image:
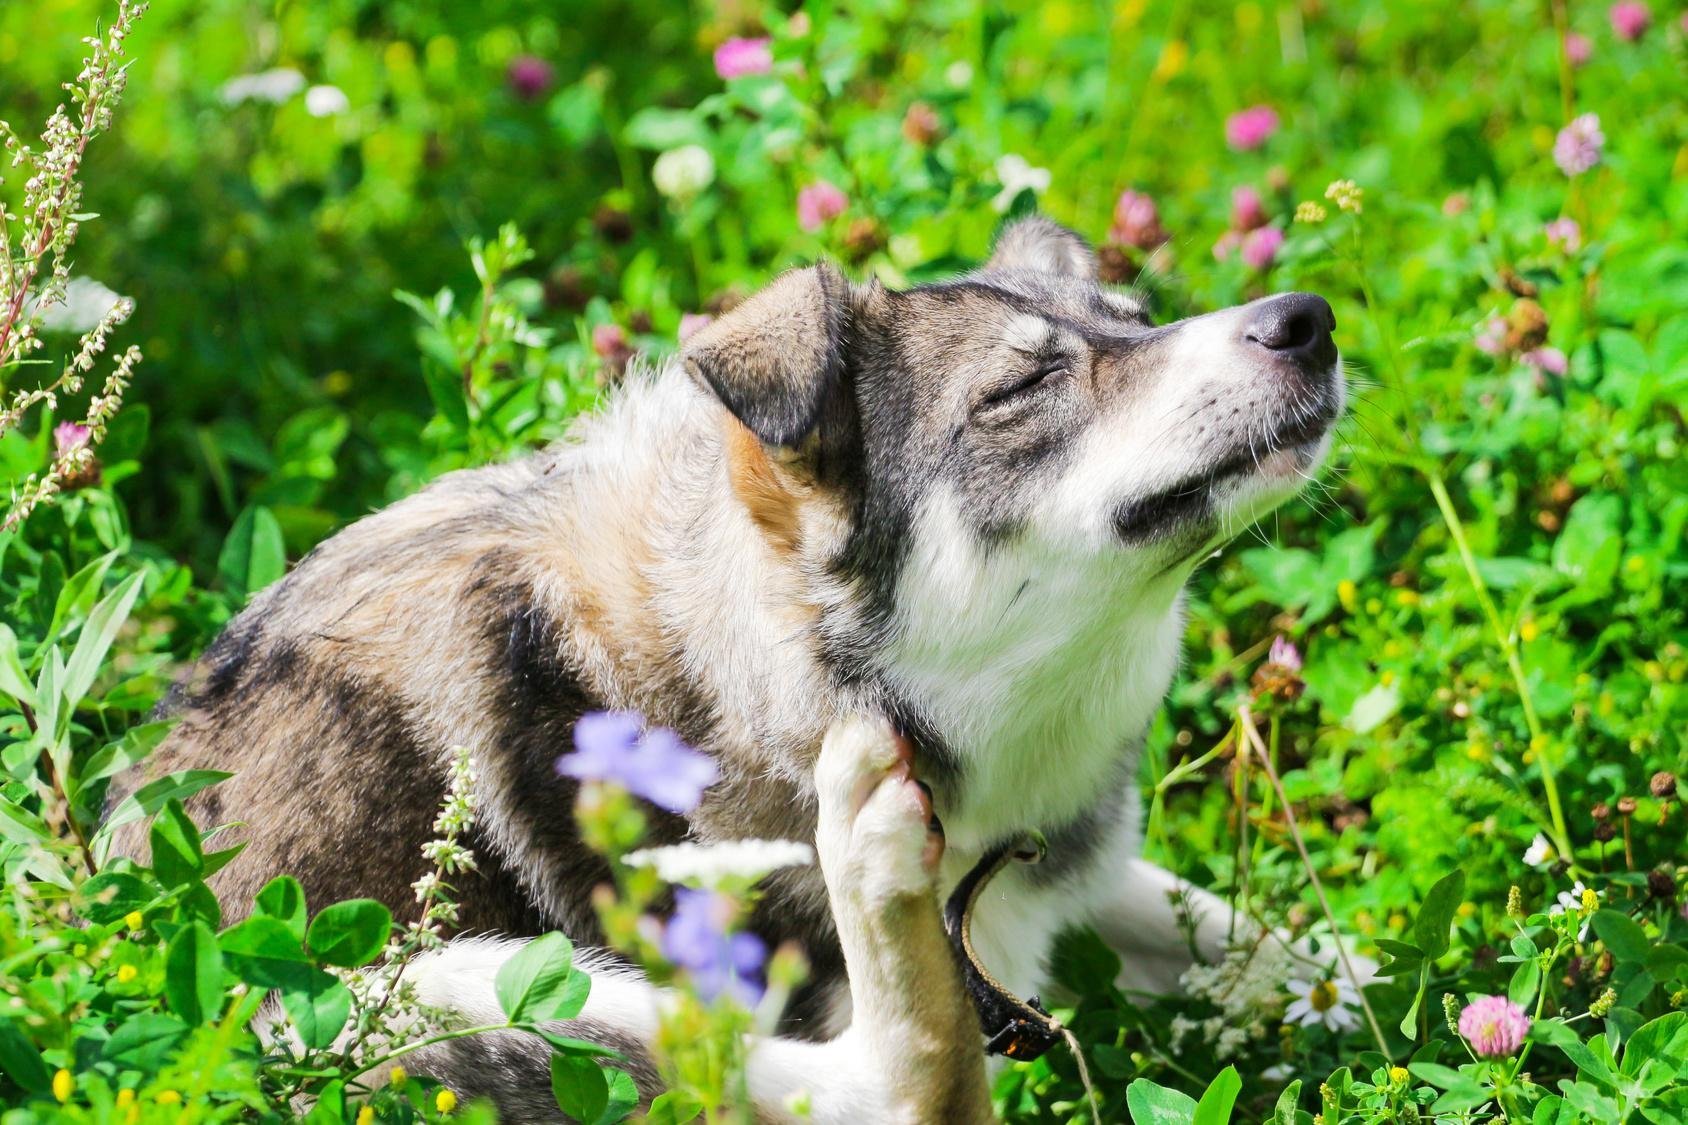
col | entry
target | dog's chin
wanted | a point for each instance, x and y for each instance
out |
(1207, 508)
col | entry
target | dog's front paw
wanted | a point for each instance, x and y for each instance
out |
(876, 836)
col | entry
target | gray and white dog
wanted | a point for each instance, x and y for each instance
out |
(965, 512)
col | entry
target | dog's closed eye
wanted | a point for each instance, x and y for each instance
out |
(1045, 373)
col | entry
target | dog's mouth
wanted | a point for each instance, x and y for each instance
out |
(1283, 452)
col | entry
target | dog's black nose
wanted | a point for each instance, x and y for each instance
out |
(1296, 326)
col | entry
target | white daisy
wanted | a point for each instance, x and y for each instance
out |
(273, 86)
(1330, 1002)
(1540, 853)
(706, 865)
(1017, 174)
(85, 304)
(326, 101)
(1572, 900)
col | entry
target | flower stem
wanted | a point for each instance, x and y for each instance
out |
(1246, 719)
(1514, 661)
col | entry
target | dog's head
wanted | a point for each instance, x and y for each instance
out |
(1032, 402)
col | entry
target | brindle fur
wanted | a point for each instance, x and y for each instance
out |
(723, 553)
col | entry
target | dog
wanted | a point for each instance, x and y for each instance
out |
(882, 555)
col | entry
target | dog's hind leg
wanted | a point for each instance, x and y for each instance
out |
(913, 1053)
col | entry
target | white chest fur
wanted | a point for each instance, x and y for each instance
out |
(1036, 669)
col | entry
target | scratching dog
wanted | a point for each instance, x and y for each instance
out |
(850, 538)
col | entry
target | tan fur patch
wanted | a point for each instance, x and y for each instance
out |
(757, 482)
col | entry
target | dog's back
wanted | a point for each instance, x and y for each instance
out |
(490, 611)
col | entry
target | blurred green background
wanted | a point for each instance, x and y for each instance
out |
(280, 171)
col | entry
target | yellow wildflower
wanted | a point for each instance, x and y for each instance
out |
(397, 1076)
(64, 1085)
(445, 1101)
(133, 920)
(126, 973)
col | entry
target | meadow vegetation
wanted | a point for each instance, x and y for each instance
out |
(1435, 712)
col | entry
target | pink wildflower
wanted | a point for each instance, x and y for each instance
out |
(737, 58)
(529, 77)
(1226, 246)
(1629, 19)
(1284, 654)
(1579, 144)
(1578, 48)
(608, 340)
(1250, 128)
(1261, 246)
(1494, 1026)
(1247, 210)
(1549, 361)
(819, 202)
(693, 323)
(1136, 221)
(1564, 234)
(1491, 336)
(68, 437)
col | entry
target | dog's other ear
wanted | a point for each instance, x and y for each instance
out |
(775, 359)
(1043, 245)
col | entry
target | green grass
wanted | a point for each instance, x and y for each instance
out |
(1487, 588)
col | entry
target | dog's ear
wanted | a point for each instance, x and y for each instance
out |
(777, 358)
(1043, 245)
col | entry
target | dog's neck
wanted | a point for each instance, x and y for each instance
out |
(1030, 675)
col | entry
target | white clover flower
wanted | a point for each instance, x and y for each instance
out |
(707, 865)
(680, 173)
(1017, 175)
(1540, 853)
(1330, 1002)
(272, 86)
(959, 74)
(85, 304)
(326, 101)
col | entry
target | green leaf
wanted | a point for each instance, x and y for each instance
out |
(676, 1107)
(1214, 1108)
(193, 974)
(623, 1099)
(1466, 1095)
(20, 1060)
(283, 898)
(318, 1005)
(110, 895)
(580, 1087)
(1285, 1112)
(1663, 1040)
(1430, 931)
(1373, 709)
(14, 680)
(20, 826)
(145, 1041)
(1626, 940)
(1153, 1104)
(263, 952)
(1526, 978)
(112, 759)
(534, 985)
(253, 555)
(1436, 1074)
(95, 639)
(151, 797)
(330, 1106)
(177, 857)
(350, 934)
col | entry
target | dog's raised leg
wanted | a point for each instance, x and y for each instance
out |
(913, 1054)
(879, 850)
